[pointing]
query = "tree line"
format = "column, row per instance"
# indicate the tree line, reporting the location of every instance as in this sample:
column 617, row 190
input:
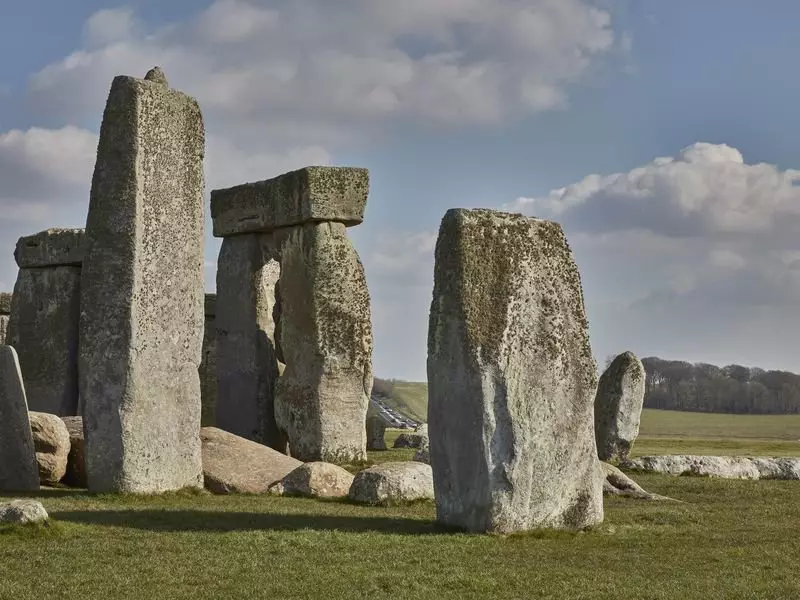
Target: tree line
column 701, row 387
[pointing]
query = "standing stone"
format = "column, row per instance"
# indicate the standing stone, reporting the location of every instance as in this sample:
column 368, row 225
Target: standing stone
column 326, row 341
column 376, row 430
column 142, row 293
column 618, row 407
column 45, row 315
column 19, row 471
column 247, row 362
column 5, row 314
column 511, row 378
column 208, row 364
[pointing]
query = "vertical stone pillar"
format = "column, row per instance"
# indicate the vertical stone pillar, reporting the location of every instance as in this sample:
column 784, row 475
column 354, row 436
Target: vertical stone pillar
column 5, row 315
column 142, row 292
column 323, row 331
column 19, row 471
column 511, row 378
column 44, row 324
column 208, row 364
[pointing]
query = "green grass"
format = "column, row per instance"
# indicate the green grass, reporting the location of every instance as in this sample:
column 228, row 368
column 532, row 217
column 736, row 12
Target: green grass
column 729, row 539
column 410, row 398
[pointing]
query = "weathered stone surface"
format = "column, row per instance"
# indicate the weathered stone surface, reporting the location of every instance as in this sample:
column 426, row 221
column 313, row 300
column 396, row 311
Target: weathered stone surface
column 142, row 293
column 393, row 482
column 51, row 441
column 423, row 453
column 51, row 248
column 409, row 440
column 44, row 328
column 616, row 483
column 312, row 194
column 208, row 364
column 22, row 512
column 727, row 467
column 235, row 464
column 247, row 362
column 376, row 431
column 511, row 378
column 618, row 407
column 315, row 480
column 326, row 343
column 18, row 469
column 5, row 312
column 76, row 461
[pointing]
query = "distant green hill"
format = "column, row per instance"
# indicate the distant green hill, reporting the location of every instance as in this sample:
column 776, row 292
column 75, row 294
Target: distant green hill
column 407, row 397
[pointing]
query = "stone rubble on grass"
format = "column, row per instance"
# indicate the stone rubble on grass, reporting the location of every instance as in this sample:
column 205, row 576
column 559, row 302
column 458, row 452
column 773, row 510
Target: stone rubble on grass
column 22, row 512
column 315, row 480
column 392, row 482
column 51, row 440
column 726, row 467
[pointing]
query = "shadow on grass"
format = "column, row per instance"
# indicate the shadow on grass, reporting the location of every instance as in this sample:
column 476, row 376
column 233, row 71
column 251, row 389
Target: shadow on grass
column 199, row 520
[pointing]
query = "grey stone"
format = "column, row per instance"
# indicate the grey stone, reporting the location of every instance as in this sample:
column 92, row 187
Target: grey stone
column 247, row 363
column 18, row 469
column 391, row 483
column 423, row 453
column 51, row 440
column 326, row 343
column 409, row 440
column 778, row 468
column 156, row 75
column 618, row 407
column 22, row 512
column 725, row 467
column 315, row 480
column 5, row 312
column 142, row 293
column 208, row 364
column 233, row 464
column 76, row 461
column 51, row 248
column 312, row 194
column 511, row 378
column 44, row 329
column 376, row 431
column 616, row 483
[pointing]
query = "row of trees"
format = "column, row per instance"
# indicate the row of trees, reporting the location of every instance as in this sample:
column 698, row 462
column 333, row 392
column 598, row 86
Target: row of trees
column 680, row 385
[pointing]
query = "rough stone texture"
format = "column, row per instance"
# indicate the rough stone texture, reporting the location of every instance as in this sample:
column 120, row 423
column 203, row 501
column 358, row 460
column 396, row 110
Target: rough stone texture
column 727, row 467
column 22, row 512
column 376, row 431
column 18, row 469
column 44, row 328
column 235, row 464
column 208, row 364
column 616, row 483
column 393, row 482
column 142, row 293
column 76, row 461
column 315, row 480
column 511, row 378
column 618, row 407
column 423, row 454
column 5, row 312
column 51, row 440
column 326, row 343
column 247, row 361
column 312, row 194
column 409, row 440
column 51, row 248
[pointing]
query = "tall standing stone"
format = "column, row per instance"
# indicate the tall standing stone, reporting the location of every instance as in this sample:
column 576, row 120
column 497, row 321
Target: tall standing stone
column 511, row 378
column 19, row 471
column 618, row 407
column 45, row 314
column 247, row 362
column 208, row 364
column 142, row 292
column 5, row 315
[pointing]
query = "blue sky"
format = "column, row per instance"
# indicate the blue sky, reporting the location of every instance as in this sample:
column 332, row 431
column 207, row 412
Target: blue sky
column 469, row 103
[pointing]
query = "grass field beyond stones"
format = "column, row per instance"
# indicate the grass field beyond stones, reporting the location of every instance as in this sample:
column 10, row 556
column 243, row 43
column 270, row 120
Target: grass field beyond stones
column 727, row 540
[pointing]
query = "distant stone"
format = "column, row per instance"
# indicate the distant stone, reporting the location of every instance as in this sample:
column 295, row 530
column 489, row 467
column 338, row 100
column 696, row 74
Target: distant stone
column 326, row 343
column 376, row 431
column 309, row 195
column 142, row 292
column 233, row 464
column 5, row 313
column 22, row 512
column 18, row 469
column 315, row 480
column 51, row 441
column 511, row 378
column 409, row 440
column 423, row 454
column 725, row 467
column 393, row 482
column 76, row 462
column 156, row 75
column 618, row 407
column 778, row 468
column 51, row 248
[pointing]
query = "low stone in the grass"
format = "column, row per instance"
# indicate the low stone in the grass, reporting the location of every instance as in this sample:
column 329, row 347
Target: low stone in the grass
column 393, row 482
column 51, row 440
column 315, row 480
column 21, row 512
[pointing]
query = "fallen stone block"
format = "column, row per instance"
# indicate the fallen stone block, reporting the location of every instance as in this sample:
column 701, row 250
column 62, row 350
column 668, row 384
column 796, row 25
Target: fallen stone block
column 22, row 512
column 51, row 441
column 391, row 483
column 315, row 480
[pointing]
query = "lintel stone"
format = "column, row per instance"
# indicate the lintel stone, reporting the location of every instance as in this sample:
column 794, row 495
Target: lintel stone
column 311, row 194
column 50, row 248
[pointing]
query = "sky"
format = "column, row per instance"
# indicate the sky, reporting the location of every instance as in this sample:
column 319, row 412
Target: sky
column 663, row 136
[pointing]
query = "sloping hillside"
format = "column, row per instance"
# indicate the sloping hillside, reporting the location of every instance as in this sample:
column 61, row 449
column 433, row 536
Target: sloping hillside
column 407, row 397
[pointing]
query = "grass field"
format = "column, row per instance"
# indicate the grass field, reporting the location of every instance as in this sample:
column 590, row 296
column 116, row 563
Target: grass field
column 726, row 540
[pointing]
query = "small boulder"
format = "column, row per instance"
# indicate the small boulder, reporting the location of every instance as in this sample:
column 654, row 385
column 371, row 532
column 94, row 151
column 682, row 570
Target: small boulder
column 20, row 512
column 315, row 480
column 76, row 463
column 409, row 440
column 51, row 443
column 423, row 454
column 393, row 482
column 233, row 464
